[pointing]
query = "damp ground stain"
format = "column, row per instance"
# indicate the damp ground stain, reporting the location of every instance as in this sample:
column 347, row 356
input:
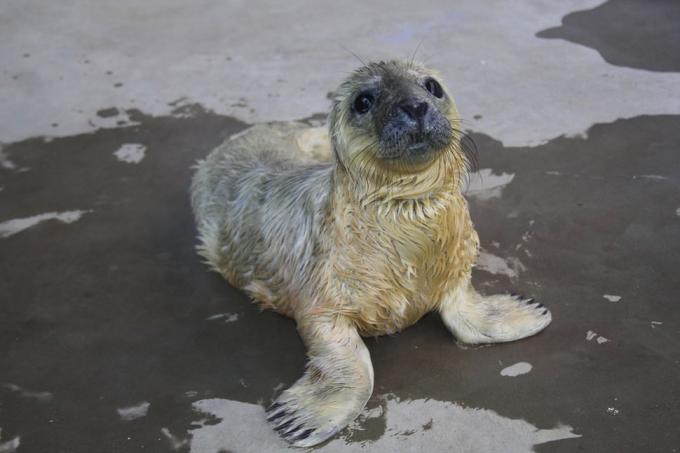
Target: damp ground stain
column 110, row 310
column 632, row 33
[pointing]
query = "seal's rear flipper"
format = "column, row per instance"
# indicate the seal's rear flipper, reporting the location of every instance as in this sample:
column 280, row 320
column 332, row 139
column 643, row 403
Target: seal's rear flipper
column 334, row 388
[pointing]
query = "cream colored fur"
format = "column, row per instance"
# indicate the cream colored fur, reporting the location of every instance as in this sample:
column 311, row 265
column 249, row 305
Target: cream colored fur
column 311, row 224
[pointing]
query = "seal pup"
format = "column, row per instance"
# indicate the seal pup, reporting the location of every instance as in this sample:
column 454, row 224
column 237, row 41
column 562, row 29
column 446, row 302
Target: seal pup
column 359, row 237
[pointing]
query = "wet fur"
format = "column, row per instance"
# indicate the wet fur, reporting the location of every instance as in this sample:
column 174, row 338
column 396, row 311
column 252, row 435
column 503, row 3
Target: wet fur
column 354, row 239
column 346, row 246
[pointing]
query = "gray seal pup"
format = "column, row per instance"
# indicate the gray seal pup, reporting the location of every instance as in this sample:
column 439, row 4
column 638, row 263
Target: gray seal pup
column 358, row 231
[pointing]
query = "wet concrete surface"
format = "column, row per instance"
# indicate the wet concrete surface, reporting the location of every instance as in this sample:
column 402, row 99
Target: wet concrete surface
column 627, row 33
column 114, row 310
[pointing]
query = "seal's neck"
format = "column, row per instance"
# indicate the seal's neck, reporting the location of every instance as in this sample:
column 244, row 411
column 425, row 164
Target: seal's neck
column 442, row 180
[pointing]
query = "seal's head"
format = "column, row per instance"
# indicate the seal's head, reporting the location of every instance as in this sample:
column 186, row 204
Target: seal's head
column 393, row 117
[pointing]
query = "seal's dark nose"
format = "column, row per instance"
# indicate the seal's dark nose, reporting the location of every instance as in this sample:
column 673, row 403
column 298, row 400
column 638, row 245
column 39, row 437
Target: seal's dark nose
column 415, row 110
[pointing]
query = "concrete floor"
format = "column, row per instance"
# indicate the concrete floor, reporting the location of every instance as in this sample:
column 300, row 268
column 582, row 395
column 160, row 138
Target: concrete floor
column 115, row 338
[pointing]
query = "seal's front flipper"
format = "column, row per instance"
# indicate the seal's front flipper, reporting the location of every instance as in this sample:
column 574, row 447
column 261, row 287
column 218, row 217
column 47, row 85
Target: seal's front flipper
column 334, row 388
column 474, row 318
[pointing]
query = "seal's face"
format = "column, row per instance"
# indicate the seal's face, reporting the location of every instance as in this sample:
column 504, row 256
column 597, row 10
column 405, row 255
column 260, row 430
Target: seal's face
column 394, row 115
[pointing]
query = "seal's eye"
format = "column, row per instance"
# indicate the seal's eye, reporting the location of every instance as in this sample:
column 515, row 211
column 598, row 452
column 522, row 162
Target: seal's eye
column 434, row 88
column 363, row 103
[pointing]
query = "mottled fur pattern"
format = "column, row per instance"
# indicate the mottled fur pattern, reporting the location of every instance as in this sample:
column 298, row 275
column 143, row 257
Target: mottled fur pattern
column 348, row 244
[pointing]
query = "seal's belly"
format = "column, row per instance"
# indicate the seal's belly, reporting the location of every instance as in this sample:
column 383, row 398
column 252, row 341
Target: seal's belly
column 394, row 299
column 390, row 312
column 396, row 274
column 388, row 316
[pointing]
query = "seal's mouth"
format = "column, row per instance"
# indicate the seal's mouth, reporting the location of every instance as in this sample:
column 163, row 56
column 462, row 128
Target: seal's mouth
column 421, row 148
column 417, row 147
column 420, row 141
column 408, row 149
column 414, row 132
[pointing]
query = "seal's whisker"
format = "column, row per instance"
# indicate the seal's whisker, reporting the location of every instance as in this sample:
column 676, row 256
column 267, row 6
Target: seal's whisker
column 353, row 54
column 469, row 148
column 413, row 56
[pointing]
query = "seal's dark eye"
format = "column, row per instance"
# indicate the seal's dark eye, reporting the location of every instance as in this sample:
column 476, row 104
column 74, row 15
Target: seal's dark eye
column 363, row 103
column 434, row 88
